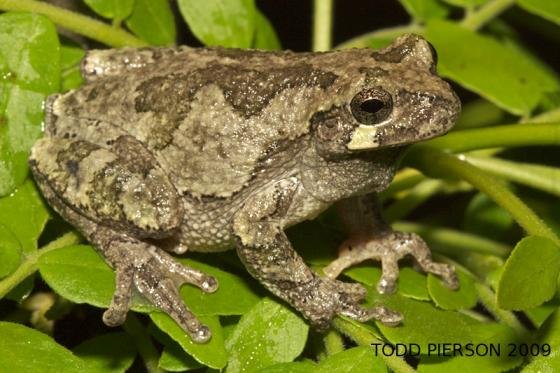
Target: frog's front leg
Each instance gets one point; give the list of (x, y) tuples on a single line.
[(116, 204), (371, 238), (269, 257)]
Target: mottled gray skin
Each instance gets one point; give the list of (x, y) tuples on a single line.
[(208, 149)]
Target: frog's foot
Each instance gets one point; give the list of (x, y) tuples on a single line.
[(322, 298), (389, 249), (158, 278)]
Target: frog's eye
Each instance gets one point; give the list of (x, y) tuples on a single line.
[(371, 106)]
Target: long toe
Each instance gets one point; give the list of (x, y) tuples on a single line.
[(386, 316)]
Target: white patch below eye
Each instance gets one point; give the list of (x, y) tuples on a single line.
[(364, 137)]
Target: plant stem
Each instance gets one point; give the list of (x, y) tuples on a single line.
[(511, 135), (30, 263), (322, 25), (363, 337), (536, 176), (143, 343), (364, 41), (487, 12), (333, 342), (488, 298), (547, 116), (449, 241), (404, 179), (435, 162), (415, 196), (76, 22)]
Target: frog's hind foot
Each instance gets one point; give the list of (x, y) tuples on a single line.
[(389, 249), (158, 277), (323, 298)]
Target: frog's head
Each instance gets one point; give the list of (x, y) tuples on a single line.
[(397, 99)]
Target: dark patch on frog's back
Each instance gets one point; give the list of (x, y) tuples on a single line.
[(71, 157), (248, 90)]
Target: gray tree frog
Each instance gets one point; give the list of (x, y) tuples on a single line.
[(183, 149)]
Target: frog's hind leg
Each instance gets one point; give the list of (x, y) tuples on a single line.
[(372, 239), (100, 63), (65, 180)]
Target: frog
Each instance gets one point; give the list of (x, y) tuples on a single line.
[(164, 151)]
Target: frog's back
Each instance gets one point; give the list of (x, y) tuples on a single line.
[(210, 116)]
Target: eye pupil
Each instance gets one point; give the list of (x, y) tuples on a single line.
[(372, 106)]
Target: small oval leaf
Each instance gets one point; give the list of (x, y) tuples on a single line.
[(269, 333), (530, 274), (10, 251), (152, 20), (114, 9), (29, 71), (354, 360), (226, 23), (212, 353), (23, 349), (463, 298), (423, 10), (107, 353)]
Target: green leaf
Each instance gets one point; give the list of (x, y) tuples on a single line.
[(269, 333), (424, 324), (70, 64), (219, 302), (548, 338), (504, 75), (423, 10), (79, 274), (530, 274), (549, 9), (10, 251), (29, 71), (354, 360), (114, 9), (265, 35), (23, 349), (466, 3), (175, 359), (25, 214), (227, 23), (411, 283), (463, 298), (152, 20), (107, 353), (539, 314), (212, 353), (295, 367)]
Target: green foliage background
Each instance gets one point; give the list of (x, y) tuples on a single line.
[(496, 218)]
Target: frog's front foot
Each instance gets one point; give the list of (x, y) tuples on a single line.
[(389, 248), (158, 277), (323, 298)]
